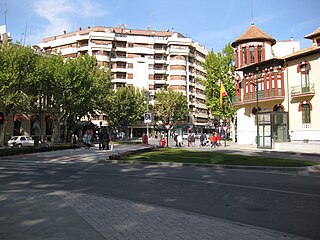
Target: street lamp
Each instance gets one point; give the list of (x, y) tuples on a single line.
[(147, 116), (257, 109)]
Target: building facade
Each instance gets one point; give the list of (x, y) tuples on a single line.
[(146, 59), (277, 89)]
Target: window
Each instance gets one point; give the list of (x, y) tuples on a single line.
[(259, 53), (251, 54), (306, 113), (304, 70), (244, 51)]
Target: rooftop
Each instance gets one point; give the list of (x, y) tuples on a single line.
[(253, 33)]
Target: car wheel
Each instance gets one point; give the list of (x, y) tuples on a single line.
[(19, 145)]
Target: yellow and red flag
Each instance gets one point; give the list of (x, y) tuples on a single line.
[(223, 93)]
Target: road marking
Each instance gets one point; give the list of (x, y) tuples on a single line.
[(216, 183)]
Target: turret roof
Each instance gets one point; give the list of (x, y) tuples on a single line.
[(253, 33), (314, 34)]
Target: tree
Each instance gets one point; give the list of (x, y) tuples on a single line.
[(16, 65), (124, 107), (85, 88), (220, 69), (170, 105), (69, 89)]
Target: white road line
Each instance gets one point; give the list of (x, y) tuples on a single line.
[(217, 183)]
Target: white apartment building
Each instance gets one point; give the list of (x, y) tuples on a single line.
[(146, 59)]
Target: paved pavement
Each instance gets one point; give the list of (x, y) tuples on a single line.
[(44, 214)]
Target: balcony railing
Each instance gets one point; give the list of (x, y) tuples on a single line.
[(262, 96), (303, 89)]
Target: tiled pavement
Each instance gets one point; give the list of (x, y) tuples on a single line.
[(121, 219)]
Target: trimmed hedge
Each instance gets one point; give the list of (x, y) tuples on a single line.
[(123, 155), (24, 150)]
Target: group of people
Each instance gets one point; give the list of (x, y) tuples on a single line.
[(213, 140), (103, 138)]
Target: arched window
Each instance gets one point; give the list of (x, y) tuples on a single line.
[(251, 54), (244, 51), (306, 113), (259, 53), (304, 68), (278, 108)]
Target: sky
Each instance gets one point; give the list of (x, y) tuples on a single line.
[(210, 22)]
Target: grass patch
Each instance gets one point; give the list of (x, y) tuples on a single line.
[(186, 156)]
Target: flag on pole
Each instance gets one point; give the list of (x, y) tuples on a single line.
[(223, 93)]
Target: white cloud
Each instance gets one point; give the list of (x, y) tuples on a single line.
[(60, 15)]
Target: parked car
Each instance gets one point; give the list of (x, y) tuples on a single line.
[(20, 141)]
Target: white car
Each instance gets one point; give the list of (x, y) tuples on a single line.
[(20, 141)]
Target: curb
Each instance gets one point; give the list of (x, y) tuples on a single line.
[(216, 166)]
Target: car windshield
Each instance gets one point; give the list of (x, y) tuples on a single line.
[(14, 138)]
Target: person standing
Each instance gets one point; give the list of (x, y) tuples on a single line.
[(87, 140), (106, 140), (74, 140), (36, 133), (101, 140)]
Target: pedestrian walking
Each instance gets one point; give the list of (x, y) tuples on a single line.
[(175, 138), (189, 139), (180, 141), (219, 139), (193, 140), (214, 141), (87, 140), (202, 138)]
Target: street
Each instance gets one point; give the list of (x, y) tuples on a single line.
[(284, 201)]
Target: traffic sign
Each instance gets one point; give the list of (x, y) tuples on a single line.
[(167, 126), (147, 117), (225, 128)]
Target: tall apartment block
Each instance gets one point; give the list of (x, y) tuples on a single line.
[(146, 59)]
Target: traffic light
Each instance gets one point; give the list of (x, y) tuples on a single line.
[(1, 118), (216, 122)]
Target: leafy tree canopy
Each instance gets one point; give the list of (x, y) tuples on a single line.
[(220, 68), (124, 106), (170, 104)]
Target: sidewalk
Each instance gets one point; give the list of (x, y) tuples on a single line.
[(62, 215), (122, 219)]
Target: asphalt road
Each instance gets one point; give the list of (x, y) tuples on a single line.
[(283, 201)]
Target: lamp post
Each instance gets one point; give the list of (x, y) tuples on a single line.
[(257, 109), (147, 118)]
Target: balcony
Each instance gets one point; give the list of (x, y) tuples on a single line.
[(302, 91), (248, 98)]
